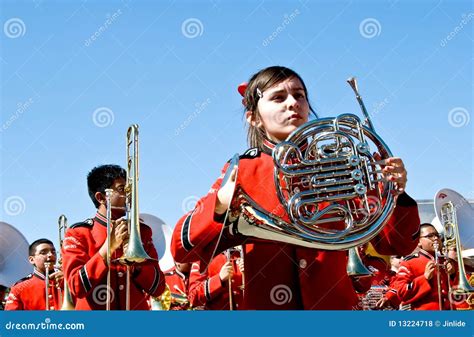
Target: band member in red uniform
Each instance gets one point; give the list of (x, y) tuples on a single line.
[(416, 281), (177, 279), (210, 288), (30, 292), (462, 301), (281, 275), (85, 251), (391, 298)]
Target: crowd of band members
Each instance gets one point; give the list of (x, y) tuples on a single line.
[(410, 282), (268, 274)]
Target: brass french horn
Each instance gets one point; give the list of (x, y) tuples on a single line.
[(325, 161)]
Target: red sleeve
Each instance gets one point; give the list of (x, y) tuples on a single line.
[(83, 273), (400, 235), (202, 287), (14, 299), (410, 288), (148, 276), (196, 233), (392, 297)]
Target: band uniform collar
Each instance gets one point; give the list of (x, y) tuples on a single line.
[(37, 273), (268, 146), (100, 219), (426, 254)]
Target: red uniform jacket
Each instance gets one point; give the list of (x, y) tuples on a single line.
[(178, 284), (392, 294), (281, 275), (414, 289), (86, 271), (30, 294), (206, 288)]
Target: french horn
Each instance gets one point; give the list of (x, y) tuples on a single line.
[(325, 172)]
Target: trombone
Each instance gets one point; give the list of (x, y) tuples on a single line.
[(47, 264), (135, 252), (65, 297), (449, 220)]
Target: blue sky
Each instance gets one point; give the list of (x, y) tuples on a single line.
[(76, 74)]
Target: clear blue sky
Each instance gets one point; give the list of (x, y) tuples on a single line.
[(76, 74)]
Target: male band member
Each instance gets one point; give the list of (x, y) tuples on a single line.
[(210, 287), (177, 279), (85, 251), (416, 281), (29, 293)]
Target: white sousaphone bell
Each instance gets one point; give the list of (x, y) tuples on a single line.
[(465, 221), (13, 255)]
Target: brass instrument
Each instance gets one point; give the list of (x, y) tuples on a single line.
[(325, 161), (438, 257), (163, 302), (67, 302), (336, 166), (47, 265), (449, 220), (228, 256), (135, 252), (169, 300), (355, 266), (13, 255), (455, 215), (373, 296), (108, 196), (240, 249)]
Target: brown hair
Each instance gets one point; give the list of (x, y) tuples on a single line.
[(264, 79)]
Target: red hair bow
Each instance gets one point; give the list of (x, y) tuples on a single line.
[(241, 89)]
